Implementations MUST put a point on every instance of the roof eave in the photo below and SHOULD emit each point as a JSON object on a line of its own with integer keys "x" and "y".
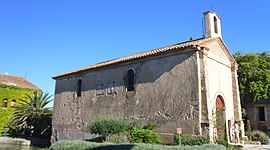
{"x": 194, "y": 44}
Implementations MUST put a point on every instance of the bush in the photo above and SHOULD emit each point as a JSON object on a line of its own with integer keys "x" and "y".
{"x": 105, "y": 125}
{"x": 79, "y": 145}
{"x": 72, "y": 145}
{"x": 118, "y": 138}
{"x": 150, "y": 126}
{"x": 132, "y": 126}
{"x": 143, "y": 136}
{"x": 260, "y": 136}
{"x": 223, "y": 142}
{"x": 191, "y": 140}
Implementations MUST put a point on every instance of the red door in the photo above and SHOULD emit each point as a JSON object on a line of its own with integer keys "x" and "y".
{"x": 220, "y": 118}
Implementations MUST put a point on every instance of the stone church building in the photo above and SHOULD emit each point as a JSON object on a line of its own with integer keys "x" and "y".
{"x": 192, "y": 85}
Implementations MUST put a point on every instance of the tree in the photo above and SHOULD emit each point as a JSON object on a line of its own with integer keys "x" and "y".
{"x": 254, "y": 76}
{"x": 31, "y": 117}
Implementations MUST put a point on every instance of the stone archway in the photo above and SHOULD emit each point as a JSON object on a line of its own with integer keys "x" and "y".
{"x": 220, "y": 118}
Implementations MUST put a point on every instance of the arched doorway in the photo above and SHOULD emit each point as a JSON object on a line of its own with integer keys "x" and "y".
{"x": 220, "y": 118}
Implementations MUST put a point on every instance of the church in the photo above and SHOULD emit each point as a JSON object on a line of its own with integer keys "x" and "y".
{"x": 190, "y": 85}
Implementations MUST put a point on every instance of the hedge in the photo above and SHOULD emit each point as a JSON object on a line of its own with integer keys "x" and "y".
{"x": 84, "y": 145}
{"x": 191, "y": 140}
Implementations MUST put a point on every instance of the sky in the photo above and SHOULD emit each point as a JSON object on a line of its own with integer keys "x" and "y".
{"x": 43, "y": 38}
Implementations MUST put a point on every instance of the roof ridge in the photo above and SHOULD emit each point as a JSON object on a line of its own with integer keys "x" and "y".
{"x": 18, "y": 81}
{"x": 195, "y": 42}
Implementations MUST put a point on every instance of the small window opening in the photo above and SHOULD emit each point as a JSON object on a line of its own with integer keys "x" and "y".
{"x": 4, "y": 103}
{"x": 99, "y": 89}
{"x": 110, "y": 87}
{"x": 261, "y": 114}
{"x": 130, "y": 80}
{"x": 79, "y": 88}
{"x": 215, "y": 25}
{"x": 13, "y": 103}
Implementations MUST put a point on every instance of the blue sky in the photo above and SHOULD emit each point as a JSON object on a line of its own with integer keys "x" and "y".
{"x": 43, "y": 38}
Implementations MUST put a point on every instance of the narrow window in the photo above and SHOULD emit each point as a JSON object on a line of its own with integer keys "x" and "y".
{"x": 261, "y": 114}
{"x": 79, "y": 88}
{"x": 4, "y": 103}
{"x": 215, "y": 25}
{"x": 110, "y": 87}
{"x": 13, "y": 103}
{"x": 130, "y": 80}
{"x": 99, "y": 89}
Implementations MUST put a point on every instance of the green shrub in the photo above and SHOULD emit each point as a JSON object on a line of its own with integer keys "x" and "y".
{"x": 227, "y": 145}
{"x": 83, "y": 145}
{"x": 191, "y": 140}
{"x": 72, "y": 145}
{"x": 223, "y": 142}
{"x": 143, "y": 136}
{"x": 260, "y": 136}
{"x": 132, "y": 126}
{"x": 150, "y": 126}
{"x": 105, "y": 125}
{"x": 118, "y": 138}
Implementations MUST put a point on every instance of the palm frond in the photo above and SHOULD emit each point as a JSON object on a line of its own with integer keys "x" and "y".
{"x": 31, "y": 113}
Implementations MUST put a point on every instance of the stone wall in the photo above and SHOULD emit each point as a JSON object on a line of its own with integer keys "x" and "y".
{"x": 166, "y": 93}
{"x": 253, "y": 116}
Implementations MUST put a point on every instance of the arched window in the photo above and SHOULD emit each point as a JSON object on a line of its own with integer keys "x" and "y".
{"x": 130, "y": 80}
{"x": 13, "y": 103}
{"x": 4, "y": 103}
{"x": 79, "y": 88}
{"x": 215, "y": 25}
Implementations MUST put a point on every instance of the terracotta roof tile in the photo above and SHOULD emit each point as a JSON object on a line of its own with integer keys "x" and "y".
{"x": 16, "y": 81}
{"x": 198, "y": 42}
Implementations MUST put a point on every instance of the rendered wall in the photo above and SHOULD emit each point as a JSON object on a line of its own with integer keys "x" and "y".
{"x": 166, "y": 93}
{"x": 218, "y": 82}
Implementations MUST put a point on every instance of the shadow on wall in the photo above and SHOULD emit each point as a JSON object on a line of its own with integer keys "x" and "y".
{"x": 146, "y": 71}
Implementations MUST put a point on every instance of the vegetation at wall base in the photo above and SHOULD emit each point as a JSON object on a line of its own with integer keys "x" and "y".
{"x": 116, "y": 129}
{"x": 83, "y": 145}
{"x": 144, "y": 136}
{"x": 260, "y": 136}
{"x": 150, "y": 126}
{"x": 106, "y": 125}
{"x": 223, "y": 142}
{"x": 118, "y": 138}
{"x": 191, "y": 140}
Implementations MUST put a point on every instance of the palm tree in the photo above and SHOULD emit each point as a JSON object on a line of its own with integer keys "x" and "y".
{"x": 31, "y": 117}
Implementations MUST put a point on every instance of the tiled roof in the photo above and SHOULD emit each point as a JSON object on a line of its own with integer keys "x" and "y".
{"x": 194, "y": 43}
{"x": 16, "y": 81}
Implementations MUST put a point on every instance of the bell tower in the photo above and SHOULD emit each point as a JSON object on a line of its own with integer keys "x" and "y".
{"x": 212, "y": 26}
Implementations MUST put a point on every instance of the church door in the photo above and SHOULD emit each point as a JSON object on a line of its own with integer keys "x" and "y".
{"x": 220, "y": 118}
